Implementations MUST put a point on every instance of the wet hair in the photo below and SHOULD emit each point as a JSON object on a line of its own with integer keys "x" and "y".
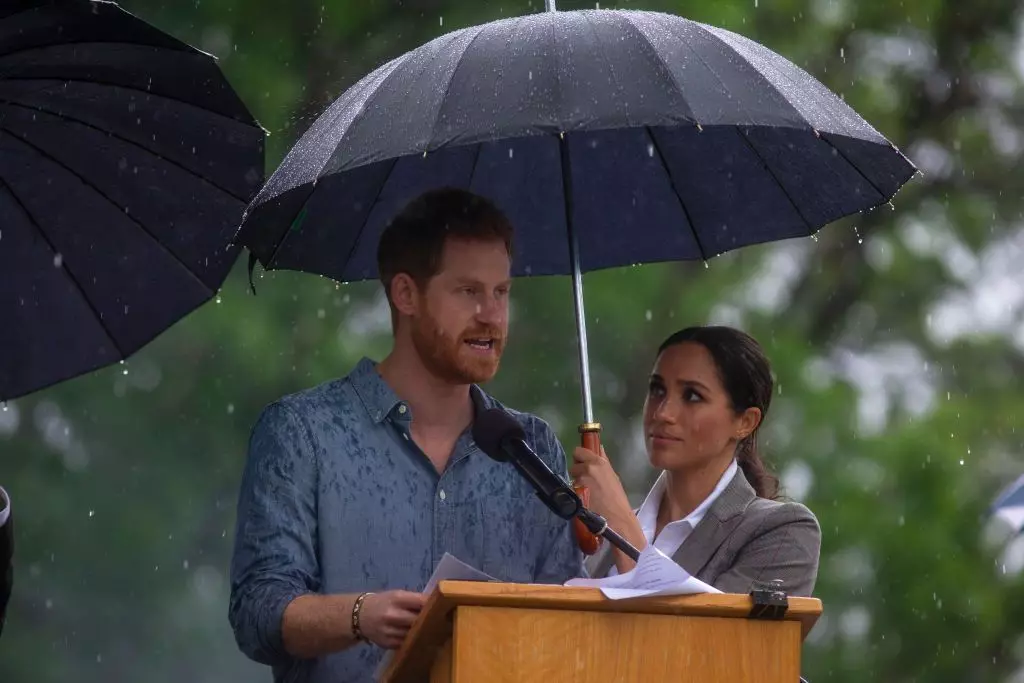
{"x": 746, "y": 374}
{"x": 414, "y": 241}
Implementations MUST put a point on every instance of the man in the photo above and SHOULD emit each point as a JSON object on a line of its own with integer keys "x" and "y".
{"x": 355, "y": 489}
{"x": 6, "y": 554}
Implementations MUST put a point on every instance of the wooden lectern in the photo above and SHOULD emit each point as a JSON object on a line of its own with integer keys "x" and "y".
{"x": 481, "y": 632}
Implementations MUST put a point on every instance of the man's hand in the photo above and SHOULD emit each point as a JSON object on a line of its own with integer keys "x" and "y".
{"x": 385, "y": 618}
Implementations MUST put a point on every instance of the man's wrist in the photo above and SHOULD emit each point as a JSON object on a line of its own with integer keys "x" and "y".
{"x": 357, "y": 608}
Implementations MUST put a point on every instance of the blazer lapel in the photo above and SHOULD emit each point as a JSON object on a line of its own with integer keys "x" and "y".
{"x": 721, "y": 519}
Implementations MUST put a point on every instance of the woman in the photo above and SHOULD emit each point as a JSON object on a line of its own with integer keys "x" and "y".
{"x": 713, "y": 509}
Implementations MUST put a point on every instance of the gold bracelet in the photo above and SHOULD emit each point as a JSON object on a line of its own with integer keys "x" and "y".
{"x": 356, "y": 608}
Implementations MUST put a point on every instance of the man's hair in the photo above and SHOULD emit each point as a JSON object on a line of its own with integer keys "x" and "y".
{"x": 414, "y": 241}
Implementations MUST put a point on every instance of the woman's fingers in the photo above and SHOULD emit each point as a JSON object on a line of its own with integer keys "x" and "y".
{"x": 581, "y": 454}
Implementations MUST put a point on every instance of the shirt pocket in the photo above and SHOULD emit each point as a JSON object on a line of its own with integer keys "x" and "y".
{"x": 517, "y": 533}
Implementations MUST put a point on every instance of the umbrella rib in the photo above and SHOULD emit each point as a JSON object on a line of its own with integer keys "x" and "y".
{"x": 861, "y": 173}
{"x": 101, "y": 193}
{"x": 451, "y": 79}
{"x": 248, "y": 124}
{"x": 116, "y": 136}
{"x": 778, "y": 182}
{"x": 675, "y": 190}
{"x": 664, "y": 64}
{"x": 369, "y": 212}
{"x": 611, "y": 68}
{"x": 66, "y": 268}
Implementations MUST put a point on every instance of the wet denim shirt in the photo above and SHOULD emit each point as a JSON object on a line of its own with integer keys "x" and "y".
{"x": 336, "y": 498}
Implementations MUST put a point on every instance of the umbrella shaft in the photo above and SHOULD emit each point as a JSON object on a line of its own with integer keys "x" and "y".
{"x": 577, "y": 282}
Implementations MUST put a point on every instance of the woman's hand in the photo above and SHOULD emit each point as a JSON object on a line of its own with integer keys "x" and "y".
{"x": 607, "y": 497}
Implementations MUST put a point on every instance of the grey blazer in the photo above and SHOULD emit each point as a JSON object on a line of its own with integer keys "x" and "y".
{"x": 744, "y": 541}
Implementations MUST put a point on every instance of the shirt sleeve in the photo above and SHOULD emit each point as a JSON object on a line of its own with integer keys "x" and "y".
{"x": 274, "y": 558}
{"x": 562, "y": 559}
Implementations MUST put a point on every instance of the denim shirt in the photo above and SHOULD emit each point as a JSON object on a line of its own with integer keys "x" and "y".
{"x": 337, "y": 498}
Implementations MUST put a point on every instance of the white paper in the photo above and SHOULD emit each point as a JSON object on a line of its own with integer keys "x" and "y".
{"x": 655, "y": 573}
{"x": 450, "y": 568}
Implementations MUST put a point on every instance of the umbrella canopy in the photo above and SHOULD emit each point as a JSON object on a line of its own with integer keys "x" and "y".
{"x": 126, "y": 161}
{"x": 608, "y": 137}
{"x": 681, "y": 141}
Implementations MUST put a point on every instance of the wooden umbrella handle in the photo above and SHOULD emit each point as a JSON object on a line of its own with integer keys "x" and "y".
{"x": 590, "y": 438}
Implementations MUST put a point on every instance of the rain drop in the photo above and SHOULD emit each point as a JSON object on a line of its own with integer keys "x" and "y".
{"x": 650, "y": 150}
{"x": 440, "y": 21}
{"x": 755, "y": 4}
{"x": 92, "y": 512}
{"x": 706, "y": 265}
{"x": 218, "y": 299}
{"x": 961, "y": 461}
{"x": 509, "y": 152}
{"x": 58, "y": 260}
{"x": 184, "y": 565}
{"x": 529, "y": 76}
{"x": 648, "y": 315}
{"x": 231, "y": 408}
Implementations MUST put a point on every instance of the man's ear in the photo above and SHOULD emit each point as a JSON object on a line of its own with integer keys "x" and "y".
{"x": 404, "y": 294}
{"x": 748, "y": 422}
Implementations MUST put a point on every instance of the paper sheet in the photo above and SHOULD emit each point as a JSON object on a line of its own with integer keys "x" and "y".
{"x": 450, "y": 568}
{"x": 655, "y": 574}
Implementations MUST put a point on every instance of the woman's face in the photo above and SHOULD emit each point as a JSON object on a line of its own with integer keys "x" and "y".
{"x": 688, "y": 417}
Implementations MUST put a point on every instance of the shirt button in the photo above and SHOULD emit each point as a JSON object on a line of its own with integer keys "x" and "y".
{"x": 442, "y": 495}
{"x": 402, "y": 409}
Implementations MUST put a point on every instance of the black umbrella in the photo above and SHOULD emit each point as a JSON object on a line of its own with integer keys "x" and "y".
{"x": 126, "y": 161}
{"x": 609, "y": 137}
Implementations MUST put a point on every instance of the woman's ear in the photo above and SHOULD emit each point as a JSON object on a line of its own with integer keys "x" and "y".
{"x": 747, "y": 422}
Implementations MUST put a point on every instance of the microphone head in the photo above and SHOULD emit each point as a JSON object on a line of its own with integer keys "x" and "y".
{"x": 491, "y": 427}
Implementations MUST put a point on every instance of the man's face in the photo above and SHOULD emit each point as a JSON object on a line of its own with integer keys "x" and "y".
{"x": 461, "y": 323}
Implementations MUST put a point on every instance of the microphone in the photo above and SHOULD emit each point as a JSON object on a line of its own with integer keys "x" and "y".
{"x": 502, "y": 438}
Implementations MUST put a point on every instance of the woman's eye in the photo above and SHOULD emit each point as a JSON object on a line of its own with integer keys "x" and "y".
{"x": 655, "y": 389}
{"x": 692, "y": 396}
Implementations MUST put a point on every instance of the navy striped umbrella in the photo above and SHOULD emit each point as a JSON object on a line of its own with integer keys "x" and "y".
{"x": 126, "y": 161}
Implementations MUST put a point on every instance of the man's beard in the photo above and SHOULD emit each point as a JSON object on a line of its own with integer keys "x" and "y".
{"x": 449, "y": 358}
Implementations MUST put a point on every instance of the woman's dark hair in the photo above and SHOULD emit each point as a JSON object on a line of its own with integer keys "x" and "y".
{"x": 746, "y": 374}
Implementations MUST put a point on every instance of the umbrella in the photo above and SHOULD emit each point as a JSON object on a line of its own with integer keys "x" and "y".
{"x": 126, "y": 161}
{"x": 1009, "y": 505}
{"x": 609, "y": 137}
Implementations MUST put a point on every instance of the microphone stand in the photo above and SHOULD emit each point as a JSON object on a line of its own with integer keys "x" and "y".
{"x": 598, "y": 525}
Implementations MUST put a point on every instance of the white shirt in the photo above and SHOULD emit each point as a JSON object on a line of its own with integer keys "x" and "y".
{"x": 672, "y": 536}
{"x": 5, "y": 506}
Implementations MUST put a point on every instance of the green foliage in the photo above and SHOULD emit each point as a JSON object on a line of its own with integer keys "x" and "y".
{"x": 124, "y": 484}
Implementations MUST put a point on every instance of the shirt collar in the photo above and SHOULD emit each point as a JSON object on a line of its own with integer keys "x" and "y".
{"x": 380, "y": 400}
{"x": 647, "y": 515}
